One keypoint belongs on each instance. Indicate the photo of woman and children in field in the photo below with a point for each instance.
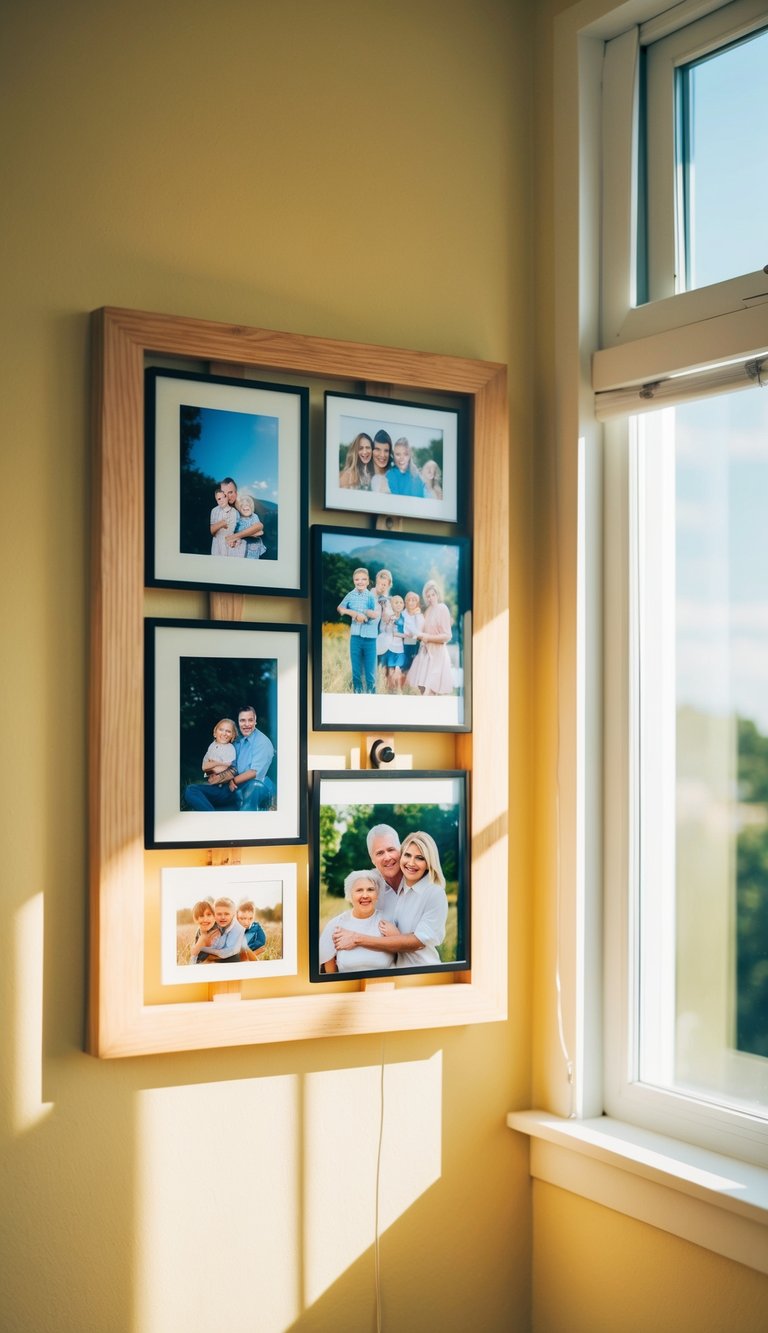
(390, 457)
(391, 894)
(391, 614)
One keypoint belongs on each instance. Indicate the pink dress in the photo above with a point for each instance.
(431, 668)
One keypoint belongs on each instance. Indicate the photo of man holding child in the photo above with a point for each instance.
(227, 493)
(238, 768)
(391, 893)
(391, 614)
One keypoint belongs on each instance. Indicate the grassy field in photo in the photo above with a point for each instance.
(336, 668)
(185, 938)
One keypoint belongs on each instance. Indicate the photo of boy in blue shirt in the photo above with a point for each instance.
(363, 610)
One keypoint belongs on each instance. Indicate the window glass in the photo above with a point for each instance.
(701, 697)
(721, 150)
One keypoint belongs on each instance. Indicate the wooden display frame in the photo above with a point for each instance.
(120, 1022)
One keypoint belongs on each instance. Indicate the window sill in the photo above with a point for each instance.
(716, 1202)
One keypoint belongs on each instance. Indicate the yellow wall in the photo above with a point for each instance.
(349, 169)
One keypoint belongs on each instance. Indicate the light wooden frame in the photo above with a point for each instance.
(120, 1022)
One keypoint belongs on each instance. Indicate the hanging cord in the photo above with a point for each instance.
(558, 828)
(376, 1258)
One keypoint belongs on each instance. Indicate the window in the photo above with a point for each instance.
(686, 579)
(687, 193)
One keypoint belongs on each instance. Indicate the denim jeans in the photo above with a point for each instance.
(362, 655)
(257, 794)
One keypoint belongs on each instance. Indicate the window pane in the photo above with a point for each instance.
(721, 146)
(702, 697)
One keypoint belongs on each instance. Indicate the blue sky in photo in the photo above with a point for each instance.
(242, 445)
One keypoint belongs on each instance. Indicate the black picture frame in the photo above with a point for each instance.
(436, 438)
(195, 669)
(395, 703)
(199, 430)
(346, 805)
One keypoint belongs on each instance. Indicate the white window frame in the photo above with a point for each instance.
(667, 48)
(723, 1203)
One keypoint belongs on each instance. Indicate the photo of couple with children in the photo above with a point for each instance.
(391, 616)
(403, 904)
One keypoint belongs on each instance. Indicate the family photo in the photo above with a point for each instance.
(391, 891)
(230, 925)
(225, 493)
(387, 457)
(391, 612)
(225, 732)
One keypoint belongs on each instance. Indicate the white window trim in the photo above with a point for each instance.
(568, 1060)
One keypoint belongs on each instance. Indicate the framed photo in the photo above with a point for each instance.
(226, 483)
(392, 631)
(389, 879)
(228, 923)
(388, 457)
(225, 747)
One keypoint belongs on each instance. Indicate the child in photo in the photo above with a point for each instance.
(250, 547)
(223, 520)
(381, 590)
(404, 478)
(254, 546)
(433, 480)
(362, 607)
(219, 758)
(431, 672)
(413, 624)
(255, 939)
(224, 942)
(205, 920)
(393, 659)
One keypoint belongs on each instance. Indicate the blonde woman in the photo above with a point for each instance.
(431, 672)
(357, 472)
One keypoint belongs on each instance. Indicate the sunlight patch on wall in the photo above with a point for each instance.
(342, 1119)
(28, 1105)
(217, 1206)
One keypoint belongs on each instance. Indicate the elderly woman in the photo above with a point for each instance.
(417, 913)
(361, 888)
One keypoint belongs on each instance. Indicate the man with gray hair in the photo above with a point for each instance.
(384, 850)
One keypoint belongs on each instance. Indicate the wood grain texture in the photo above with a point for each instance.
(120, 1023)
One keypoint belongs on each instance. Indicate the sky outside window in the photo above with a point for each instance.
(727, 223)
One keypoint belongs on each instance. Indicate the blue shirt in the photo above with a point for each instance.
(255, 751)
(229, 943)
(254, 936)
(361, 601)
(405, 483)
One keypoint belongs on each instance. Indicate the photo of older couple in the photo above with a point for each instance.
(392, 891)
